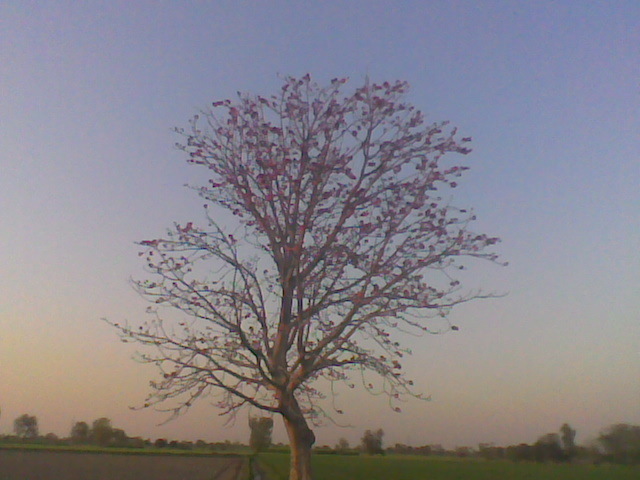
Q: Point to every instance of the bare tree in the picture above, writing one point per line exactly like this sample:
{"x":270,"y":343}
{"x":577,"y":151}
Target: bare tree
{"x":342,"y":235}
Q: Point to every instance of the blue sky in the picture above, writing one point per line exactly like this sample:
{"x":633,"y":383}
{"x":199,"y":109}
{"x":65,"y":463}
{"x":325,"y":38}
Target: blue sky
{"x":549,"y":91}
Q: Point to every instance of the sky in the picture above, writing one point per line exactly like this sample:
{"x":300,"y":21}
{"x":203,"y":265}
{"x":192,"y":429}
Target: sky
{"x":549,"y":91}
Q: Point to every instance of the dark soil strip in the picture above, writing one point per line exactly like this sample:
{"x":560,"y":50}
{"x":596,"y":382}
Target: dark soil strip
{"x":34,"y":465}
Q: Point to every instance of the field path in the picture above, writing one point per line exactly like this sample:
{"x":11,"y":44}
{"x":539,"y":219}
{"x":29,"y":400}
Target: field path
{"x":257,"y":470}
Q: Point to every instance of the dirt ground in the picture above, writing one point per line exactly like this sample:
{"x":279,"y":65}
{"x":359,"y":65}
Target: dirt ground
{"x":47,"y":465}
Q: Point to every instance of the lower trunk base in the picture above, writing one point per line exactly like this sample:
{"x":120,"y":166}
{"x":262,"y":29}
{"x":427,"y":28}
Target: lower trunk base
{"x":301,"y":439}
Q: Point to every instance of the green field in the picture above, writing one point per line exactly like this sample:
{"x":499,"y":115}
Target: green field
{"x":396,"y":467}
{"x":64,"y":463}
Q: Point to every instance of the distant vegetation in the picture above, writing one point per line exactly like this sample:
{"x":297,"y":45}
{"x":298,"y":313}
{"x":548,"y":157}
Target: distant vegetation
{"x":371,"y":442}
{"x":261,"y":430}
{"x":102,"y":434}
{"x":619,"y":443}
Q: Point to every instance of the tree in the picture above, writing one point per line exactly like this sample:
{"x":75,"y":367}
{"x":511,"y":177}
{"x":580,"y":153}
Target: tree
{"x":372,"y":442}
{"x":548,"y":448}
{"x":342,"y":445}
{"x":261,"y":430}
{"x":520,"y":452}
{"x":80,"y":432}
{"x":621,"y":443}
{"x":489,"y":451}
{"x":119,"y":438}
{"x":160,"y":443}
{"x":51,"y":438}
{"x":102,"y":431}
{"x":26,"y":426}
{"x":340,"y":234}
{"x":568,"y":437}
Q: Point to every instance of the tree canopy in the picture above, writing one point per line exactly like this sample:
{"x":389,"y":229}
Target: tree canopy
{"x":344,"y":235}
{"x":372,"y":442}
{"x":261,"y":430}
{"x":621,"y":442}
{"x":102,"y":431}
{"x":80,"y":432}
{"x":26,"y":426}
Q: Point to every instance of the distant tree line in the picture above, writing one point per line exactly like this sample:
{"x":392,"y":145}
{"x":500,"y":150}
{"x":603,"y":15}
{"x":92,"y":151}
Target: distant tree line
{"x":619,"y":443}
{"x":102,"y":433}
{"x":551,"y":447}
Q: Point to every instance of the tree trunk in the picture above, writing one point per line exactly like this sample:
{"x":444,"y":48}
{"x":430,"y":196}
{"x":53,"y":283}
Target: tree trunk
{"x":301,"y":439}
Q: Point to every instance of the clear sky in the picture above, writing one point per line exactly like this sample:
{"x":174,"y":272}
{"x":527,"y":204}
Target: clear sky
{"x":549,"y":91}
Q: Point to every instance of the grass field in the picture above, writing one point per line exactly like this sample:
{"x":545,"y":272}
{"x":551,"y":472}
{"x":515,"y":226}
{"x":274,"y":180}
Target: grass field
{"x":396,"y":467}
{"x":92,"y":463}
{"x":65,"y":464}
